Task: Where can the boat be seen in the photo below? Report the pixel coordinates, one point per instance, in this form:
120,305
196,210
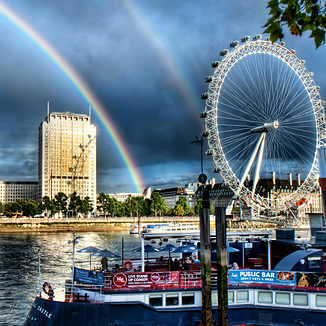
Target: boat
162,297
172,228
147,227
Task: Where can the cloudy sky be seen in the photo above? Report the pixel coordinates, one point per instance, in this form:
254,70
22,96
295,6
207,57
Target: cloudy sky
145,61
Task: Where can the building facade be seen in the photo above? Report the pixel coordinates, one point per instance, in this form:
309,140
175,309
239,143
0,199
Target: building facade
67,156
10,191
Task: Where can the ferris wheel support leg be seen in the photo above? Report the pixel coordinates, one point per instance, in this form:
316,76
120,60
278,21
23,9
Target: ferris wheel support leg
251,161
260,158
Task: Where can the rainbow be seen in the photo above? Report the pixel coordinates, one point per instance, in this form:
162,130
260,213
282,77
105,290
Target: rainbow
178,72
81,87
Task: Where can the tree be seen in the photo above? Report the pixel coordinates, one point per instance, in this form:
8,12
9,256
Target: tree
30,208
86,206
103,203
158,205
199,204
16,208
47,205
2,208
179,210
182,201
75,203
299,16
61,202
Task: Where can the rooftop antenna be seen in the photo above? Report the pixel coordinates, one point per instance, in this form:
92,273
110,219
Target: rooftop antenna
89,112
48,111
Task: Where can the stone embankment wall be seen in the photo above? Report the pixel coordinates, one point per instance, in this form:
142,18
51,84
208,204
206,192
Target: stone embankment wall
26,224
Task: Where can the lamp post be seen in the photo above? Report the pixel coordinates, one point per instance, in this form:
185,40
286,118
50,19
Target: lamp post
205,244
74,241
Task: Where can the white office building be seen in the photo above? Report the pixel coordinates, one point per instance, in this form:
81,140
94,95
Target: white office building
67,156
10,191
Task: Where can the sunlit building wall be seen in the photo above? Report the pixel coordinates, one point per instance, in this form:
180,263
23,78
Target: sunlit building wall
67,156
10,191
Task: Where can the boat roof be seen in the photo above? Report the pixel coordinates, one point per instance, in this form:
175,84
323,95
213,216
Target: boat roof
196,234
292,259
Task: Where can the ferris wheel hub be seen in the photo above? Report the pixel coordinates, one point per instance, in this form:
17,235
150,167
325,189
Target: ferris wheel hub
265,127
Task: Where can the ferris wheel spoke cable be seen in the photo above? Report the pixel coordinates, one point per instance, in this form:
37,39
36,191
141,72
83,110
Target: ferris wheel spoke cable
287,143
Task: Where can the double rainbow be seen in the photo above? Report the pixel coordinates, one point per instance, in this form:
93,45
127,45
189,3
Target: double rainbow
80,86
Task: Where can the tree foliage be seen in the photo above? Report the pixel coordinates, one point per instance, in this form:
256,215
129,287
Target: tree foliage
299,16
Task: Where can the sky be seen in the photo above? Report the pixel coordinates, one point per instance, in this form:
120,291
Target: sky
145,61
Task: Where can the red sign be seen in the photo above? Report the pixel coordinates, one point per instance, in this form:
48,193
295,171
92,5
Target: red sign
146,279
120,279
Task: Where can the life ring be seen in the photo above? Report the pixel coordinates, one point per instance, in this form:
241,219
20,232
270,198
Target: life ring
47,288
127,265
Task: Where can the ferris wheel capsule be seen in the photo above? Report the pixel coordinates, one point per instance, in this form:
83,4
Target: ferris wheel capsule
215,64
224,52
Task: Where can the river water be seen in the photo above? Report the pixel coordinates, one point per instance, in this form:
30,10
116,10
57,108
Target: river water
19,264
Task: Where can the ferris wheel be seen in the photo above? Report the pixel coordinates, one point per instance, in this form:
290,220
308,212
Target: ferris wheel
264,119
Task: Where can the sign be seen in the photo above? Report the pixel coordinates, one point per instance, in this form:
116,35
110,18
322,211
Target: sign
86,276
145,279
250,276
317,280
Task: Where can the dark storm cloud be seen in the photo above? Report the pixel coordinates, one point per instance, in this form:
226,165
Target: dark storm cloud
114,46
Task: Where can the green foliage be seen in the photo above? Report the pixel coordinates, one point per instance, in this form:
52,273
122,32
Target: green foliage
158,205
75,203
86,206
178,210
199,204
61,202
299,16
182,201
2,208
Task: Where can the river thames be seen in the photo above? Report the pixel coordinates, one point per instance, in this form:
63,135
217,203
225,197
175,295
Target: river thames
19,264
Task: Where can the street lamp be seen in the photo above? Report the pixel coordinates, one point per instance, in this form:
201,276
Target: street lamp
74,241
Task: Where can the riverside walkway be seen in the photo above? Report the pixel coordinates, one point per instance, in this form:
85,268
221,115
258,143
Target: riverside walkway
24,224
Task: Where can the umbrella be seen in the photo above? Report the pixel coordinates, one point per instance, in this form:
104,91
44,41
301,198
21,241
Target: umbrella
147,248
186,249
106,253
229,249
169,248
89,250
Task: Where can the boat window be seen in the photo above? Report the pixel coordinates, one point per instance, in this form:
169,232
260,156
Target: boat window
230,296
188,298
282,298
242,296
300,299
172,299
265,297
155,300
320,300
214,297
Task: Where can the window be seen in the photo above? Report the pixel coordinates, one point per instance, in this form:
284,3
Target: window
242,296
230,296
172,299
265,297
320,300
282,298
155,300
188,298
300,299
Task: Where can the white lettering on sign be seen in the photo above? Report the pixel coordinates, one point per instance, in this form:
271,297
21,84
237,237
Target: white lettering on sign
44,312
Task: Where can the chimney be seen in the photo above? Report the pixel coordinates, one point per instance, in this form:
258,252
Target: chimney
298,179
273,177
290,178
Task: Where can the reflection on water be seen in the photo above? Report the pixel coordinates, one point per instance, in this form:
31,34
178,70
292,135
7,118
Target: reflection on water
19,264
